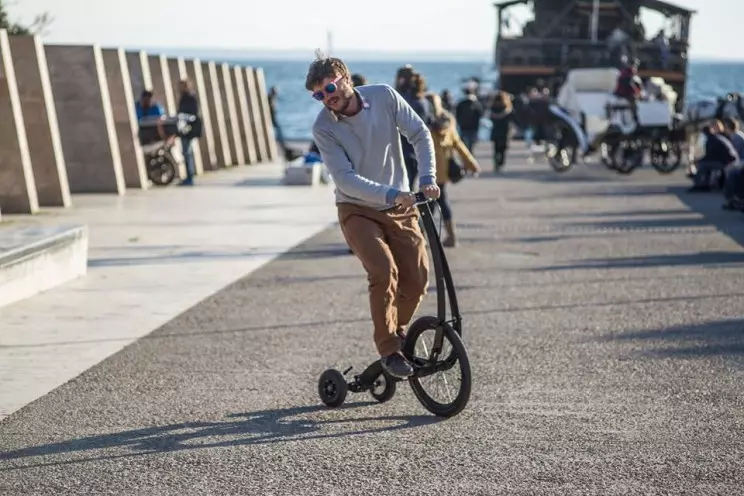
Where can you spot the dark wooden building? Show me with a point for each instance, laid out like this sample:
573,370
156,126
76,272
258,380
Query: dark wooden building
568,34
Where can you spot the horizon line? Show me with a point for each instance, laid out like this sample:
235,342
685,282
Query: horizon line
298,54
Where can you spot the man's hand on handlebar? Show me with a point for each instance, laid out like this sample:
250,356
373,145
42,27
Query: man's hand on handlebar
405,199
427,193
431,191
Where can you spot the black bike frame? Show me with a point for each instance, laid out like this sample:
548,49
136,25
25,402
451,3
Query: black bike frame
442,273
445,291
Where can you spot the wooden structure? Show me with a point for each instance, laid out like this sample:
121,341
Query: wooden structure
568,34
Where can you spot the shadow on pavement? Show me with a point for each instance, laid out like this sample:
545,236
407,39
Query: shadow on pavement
709,259
546,176
709,206
641,224
241,429
333,250
717,338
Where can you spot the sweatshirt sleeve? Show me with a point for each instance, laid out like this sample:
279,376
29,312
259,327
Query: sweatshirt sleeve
414,128
345,176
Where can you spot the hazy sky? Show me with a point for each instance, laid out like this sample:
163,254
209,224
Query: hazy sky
372,25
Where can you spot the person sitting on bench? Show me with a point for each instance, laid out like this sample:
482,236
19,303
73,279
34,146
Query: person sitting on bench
719,154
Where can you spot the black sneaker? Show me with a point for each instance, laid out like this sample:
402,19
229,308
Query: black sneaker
397,366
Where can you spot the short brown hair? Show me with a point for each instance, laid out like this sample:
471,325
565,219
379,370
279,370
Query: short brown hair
324,67
730,124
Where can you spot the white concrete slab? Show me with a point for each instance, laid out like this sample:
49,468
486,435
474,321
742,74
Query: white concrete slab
152,255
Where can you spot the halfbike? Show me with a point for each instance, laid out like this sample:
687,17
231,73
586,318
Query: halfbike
443,352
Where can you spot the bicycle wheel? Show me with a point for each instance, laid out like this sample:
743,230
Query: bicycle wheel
446,391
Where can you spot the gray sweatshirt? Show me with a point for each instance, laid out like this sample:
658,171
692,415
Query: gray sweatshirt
363,152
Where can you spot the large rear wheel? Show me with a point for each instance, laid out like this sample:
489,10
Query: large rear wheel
443,380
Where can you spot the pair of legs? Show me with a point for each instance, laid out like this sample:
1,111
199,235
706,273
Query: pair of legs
188,157
733,188
446,210
499,153
470,138
704,170
392,250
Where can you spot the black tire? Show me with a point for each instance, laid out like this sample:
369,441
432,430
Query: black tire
666,161
387,391
560,159
457,357
625,161
332,388
161,168
561,149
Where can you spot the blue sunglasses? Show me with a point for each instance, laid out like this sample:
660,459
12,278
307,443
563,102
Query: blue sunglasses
329,89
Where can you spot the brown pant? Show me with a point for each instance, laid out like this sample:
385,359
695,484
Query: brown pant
392,250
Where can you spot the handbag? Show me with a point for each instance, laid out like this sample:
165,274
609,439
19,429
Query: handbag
456,172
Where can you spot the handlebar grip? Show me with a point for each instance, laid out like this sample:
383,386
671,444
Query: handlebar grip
421,198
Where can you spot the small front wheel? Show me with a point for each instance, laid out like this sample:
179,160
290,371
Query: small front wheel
384,389
441,383
332,388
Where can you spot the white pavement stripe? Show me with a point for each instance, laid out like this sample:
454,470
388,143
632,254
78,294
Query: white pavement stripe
153,254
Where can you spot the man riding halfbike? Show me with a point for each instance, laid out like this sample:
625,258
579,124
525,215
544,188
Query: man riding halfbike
357,134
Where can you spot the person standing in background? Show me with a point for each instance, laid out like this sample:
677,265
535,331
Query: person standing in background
447,100
501,114
468,114
188,104
447,143
272,97
358,80
412,86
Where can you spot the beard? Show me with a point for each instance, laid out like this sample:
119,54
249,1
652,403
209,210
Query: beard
340,103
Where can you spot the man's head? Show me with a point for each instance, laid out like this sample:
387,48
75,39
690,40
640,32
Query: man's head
146,98
185,86
404,79
358,80
717,126
730,125
330,81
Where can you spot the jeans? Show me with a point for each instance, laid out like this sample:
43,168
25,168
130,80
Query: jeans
392,249
443,202
470,138
188,157
732,188
704,169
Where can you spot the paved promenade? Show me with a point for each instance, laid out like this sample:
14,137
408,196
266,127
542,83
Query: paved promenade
603,317
153,254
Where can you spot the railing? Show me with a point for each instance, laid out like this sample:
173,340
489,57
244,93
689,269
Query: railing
580,53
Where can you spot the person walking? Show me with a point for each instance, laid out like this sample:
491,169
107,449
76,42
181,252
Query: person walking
468,114
447,143
500,113
188,104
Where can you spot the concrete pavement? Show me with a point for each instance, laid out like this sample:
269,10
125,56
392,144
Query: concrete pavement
603,317
152,255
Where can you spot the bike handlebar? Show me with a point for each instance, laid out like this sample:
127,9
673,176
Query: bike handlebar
421,199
